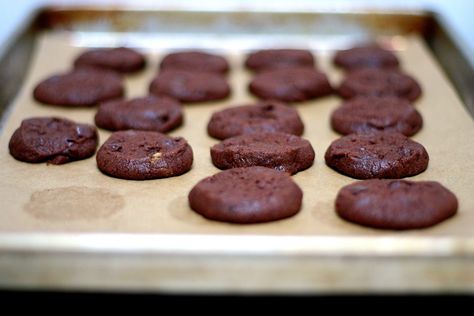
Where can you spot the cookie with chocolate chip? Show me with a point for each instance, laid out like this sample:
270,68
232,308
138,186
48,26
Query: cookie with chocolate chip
143,155
53,140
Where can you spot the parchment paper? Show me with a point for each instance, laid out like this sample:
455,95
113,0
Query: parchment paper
77,197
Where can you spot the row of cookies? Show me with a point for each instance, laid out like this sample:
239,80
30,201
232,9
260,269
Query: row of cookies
377,119
281,74
259,141
97,77
189,77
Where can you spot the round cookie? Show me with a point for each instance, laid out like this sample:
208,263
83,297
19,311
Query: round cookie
279,58
369,56
81,87
290,84
52,139
246,195
151,113
379,82
279,151
195,61
265,116
368,113
143,155
187,86
395,204
377,155
119,59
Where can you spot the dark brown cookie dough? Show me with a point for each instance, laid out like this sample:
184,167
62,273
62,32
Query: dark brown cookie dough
395,204
379,82
290,84
368,113
52,139
368,56
279,58
143,155
81,87
151,113
189,86
119,59
246,195
279,151
265,116
377,155
195,61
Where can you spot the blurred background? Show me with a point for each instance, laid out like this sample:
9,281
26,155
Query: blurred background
457,14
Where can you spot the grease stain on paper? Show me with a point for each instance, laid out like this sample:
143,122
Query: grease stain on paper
73,203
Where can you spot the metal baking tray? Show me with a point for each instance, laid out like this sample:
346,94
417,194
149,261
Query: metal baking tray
193,263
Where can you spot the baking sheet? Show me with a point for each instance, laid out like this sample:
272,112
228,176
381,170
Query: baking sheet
76,197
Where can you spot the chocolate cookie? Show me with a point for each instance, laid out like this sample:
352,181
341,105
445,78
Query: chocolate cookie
81,87
160,114
246,195
290,84
266,116
195,61
368,113
279,58
119,59
369,56
52,139
143,155
396,204
189,86
377,155
283,152
379,82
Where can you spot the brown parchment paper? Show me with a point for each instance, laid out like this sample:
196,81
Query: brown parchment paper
77,197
